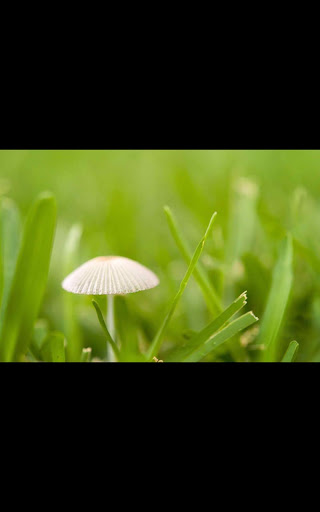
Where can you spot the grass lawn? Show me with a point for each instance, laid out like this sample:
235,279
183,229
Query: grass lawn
242,285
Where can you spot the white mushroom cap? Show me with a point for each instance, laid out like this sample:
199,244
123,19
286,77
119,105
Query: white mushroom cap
110,275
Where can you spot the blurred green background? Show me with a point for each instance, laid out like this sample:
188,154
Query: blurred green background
118,197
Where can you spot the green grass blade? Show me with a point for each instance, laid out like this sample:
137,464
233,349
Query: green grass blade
9,247
291,352
200,275
201,337
225,334
86,355
241,229
29,281
277,301
40,332
105,329
52,350
71,325
244,198
156,344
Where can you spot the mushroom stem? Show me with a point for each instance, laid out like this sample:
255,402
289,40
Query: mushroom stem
111,326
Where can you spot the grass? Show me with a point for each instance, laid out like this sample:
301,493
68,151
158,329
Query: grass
105,330
156,344
264,239
200,339
28,281
291,353
210,294
53,348
70,323
277,301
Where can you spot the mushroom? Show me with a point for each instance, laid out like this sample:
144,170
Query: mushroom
110,275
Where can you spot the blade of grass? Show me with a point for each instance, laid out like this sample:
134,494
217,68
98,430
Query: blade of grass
243,213
9,248
105,329
71,325
156,344
291,352
53,350
241,228
86,355
30,279
277,301
209,293
299,199
40,332
201,337
225,334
